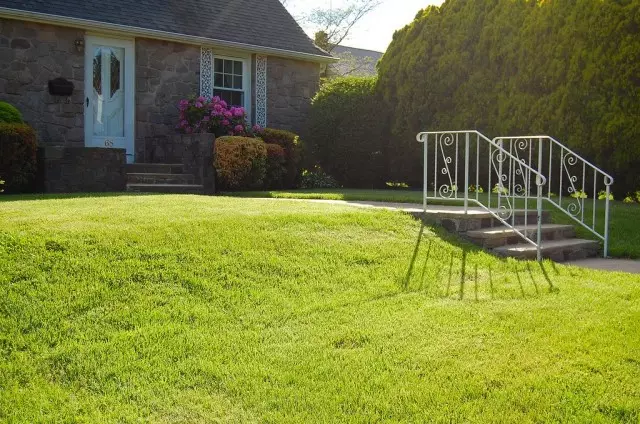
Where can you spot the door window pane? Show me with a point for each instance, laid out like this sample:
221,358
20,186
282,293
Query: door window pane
97,71
108,97
115,74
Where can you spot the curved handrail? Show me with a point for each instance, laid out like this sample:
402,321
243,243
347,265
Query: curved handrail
569,158
446,163
542,137
540,181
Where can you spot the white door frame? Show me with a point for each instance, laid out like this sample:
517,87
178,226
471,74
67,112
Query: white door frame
129,89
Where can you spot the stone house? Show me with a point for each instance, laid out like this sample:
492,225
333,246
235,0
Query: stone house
109,74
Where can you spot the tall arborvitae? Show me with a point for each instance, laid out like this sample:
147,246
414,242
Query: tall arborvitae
566,68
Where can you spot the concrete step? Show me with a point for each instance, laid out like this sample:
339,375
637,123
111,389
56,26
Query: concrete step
556,250
149,178
166,188
501,236
457,222
154,168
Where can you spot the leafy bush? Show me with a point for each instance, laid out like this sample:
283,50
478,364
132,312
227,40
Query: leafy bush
346,132
201,114
564,68
292,146
18,160
240,163
317,178
276,171
9,114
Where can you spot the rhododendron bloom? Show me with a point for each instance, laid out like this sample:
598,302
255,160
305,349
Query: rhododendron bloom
239,129
238,112
226,122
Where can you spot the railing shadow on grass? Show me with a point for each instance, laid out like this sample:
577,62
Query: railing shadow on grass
473,279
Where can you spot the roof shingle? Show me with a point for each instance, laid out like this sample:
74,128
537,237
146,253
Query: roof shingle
264,23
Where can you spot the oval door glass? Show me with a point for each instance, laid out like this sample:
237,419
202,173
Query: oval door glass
108,92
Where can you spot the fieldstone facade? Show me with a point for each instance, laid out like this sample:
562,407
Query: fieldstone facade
31,54
166,72
291,84
64,169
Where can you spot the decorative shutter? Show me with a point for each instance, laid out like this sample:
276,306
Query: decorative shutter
206,72
261,90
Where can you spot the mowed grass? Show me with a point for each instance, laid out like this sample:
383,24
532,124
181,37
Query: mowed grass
187,309
624,218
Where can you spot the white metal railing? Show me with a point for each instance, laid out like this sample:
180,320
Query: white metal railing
578,184
509,179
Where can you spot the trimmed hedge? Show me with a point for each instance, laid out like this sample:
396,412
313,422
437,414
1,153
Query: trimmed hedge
240,163
276,171
566,68
9,114
18,157
347,123
293,148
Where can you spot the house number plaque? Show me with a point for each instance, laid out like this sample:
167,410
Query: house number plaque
108,143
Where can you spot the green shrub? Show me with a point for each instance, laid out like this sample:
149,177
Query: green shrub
240,163
276,171
9,114
292,146
18,157
346,132
569,69
317,178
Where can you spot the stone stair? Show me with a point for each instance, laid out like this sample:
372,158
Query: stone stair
559,242
161,178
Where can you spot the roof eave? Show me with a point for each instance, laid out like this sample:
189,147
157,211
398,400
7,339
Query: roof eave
90,25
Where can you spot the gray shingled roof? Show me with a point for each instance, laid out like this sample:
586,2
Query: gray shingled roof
264,23
355,62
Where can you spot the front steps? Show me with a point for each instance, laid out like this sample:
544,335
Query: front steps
559,242
161,178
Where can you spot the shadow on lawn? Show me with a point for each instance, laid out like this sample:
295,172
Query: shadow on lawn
62,196
471,279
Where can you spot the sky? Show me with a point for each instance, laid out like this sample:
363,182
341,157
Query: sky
374,31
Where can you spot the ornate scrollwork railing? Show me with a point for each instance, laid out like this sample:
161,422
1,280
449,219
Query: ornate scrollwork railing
575,186
510,180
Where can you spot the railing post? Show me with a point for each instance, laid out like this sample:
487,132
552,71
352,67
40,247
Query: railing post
425,138
466,174
606,223
539,200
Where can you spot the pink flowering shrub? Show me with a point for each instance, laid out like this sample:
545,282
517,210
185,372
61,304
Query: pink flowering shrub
200,114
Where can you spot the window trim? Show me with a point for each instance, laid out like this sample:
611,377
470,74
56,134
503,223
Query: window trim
246,80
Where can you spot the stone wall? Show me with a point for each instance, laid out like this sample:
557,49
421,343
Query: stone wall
166,72
32,54
291,84
81,169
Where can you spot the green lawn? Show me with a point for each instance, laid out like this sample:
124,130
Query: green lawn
624,226
188,309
